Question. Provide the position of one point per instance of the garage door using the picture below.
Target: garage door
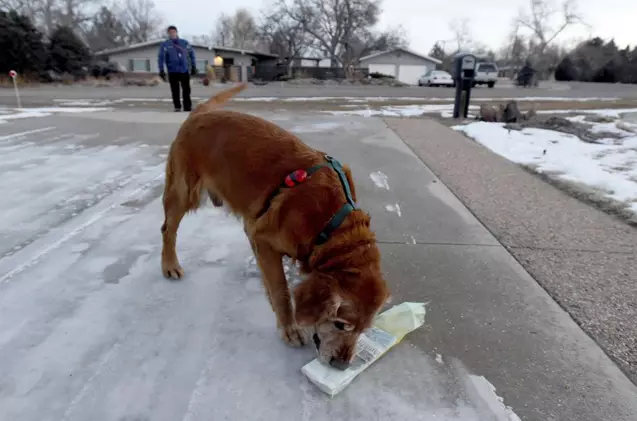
(411, 73)
(386, 69)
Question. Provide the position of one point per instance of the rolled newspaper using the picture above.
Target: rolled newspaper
(389, 328)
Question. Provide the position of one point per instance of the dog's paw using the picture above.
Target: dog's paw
(172, 270)
(294, 336)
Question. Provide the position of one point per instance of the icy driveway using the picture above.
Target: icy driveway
(89, 329)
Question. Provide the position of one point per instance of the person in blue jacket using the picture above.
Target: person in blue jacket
(179, 58)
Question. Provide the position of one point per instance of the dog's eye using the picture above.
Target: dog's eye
(339, 325)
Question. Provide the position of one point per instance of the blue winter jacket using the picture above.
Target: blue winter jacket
(178, 56)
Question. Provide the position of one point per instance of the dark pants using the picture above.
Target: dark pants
(182, 79)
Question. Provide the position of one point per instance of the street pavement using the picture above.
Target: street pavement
(89, 328)
(47, 94)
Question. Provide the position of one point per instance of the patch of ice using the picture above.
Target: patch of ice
(486, 391)
(14, 136)
(19, 113)
(94, 316)
(316, 127)
(394, 208)
(259, 99)
(608, 168)
(380, 179)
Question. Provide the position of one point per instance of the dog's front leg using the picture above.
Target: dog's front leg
(271, 265)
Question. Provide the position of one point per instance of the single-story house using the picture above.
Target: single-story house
(405, 65)
(142, 57)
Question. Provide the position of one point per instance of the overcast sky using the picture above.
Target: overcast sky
(427, 21)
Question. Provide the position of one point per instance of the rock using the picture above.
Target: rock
(599, 119)
(529, 115)
(511, 113)
(488, 113)
(631, 128)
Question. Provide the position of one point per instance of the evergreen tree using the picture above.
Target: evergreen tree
(106, 31)
(23, 49)
(437, 52)
(566, 70)
(68, 54)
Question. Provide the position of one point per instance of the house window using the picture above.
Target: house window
(139, 65)
(202, 65)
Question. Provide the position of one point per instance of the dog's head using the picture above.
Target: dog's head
(339, 311)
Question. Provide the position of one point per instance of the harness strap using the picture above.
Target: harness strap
(293, 179)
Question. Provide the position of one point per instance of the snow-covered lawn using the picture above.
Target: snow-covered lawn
(608, 168)
(415, 110)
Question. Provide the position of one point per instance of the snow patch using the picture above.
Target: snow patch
(402, 110)
(394, 208)
(380, 179)
(608, 168)
(604, 112)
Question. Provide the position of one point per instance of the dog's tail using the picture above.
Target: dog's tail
(222, 97)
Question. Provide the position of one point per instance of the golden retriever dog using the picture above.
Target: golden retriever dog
(294, 201)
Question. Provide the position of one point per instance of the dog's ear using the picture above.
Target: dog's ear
(315, 299)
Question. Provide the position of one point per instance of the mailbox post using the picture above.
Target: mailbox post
(464, 69)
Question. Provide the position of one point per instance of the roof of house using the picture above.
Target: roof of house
(407, 50)
(139, 45)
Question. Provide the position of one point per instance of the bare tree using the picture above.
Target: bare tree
(203, 39)
(237, 31)
(222, 34)
(105, 31)
(284, 36)
(48, 14)
(334, 24)
(370, 42)
(75, 13)
(461, 34)
(546, 21)
(140, 19)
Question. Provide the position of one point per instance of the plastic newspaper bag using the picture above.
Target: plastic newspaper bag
(389, 328)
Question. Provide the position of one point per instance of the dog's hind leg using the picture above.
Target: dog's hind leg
(174, 212)
(180, 196)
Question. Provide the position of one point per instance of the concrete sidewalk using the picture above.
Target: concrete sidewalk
(583, 257)
(89, 329)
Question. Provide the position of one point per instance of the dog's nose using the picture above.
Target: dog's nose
(316, 340)
(339, 364)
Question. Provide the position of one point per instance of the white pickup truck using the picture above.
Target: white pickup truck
(486, 74)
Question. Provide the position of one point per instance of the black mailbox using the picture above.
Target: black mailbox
(464, 71)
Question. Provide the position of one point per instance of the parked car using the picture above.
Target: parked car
(436, 78)
(486, 74)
